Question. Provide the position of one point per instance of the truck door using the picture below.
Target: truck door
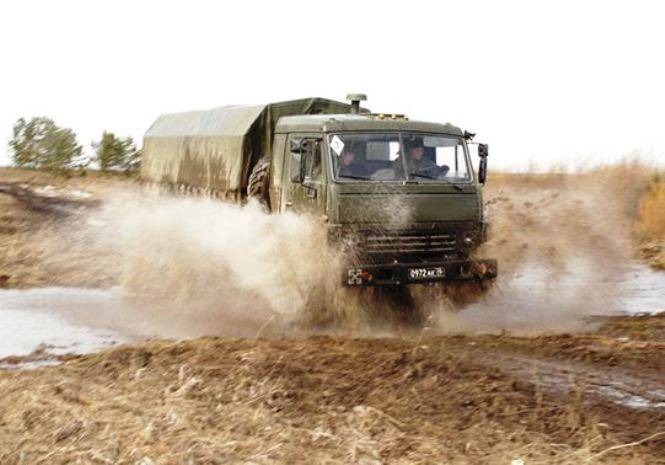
(304, 187)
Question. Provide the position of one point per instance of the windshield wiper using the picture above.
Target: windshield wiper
(420, 175)
(456, 186)
(351, 176)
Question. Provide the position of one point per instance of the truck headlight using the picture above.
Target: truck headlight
(468, 238)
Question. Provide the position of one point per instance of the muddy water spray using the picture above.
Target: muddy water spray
(207, 267)
(563, 243)
(210, 267)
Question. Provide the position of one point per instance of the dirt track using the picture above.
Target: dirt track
(38, 224)
(596, 396)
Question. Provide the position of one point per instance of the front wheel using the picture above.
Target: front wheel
(463, 293)
(336, 307)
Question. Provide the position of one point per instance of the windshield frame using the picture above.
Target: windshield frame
(408, 177)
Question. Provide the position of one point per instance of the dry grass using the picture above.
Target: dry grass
(651, 222)
(42, 240)
(319, 400)
(633, 192)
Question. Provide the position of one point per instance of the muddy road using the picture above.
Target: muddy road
(118, 344)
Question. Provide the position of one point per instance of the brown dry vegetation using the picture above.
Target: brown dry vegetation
(634, 343)
(651, 223)
(637, 189)
(39, 244)
(318, 400)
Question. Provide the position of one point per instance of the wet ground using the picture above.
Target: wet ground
(633, 289)
(643, 290)
(457, 400)
(71, 320)
(47, 325)
(600, 384)
(76, 320)
(42, 324)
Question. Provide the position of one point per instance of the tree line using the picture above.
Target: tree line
(41, 144)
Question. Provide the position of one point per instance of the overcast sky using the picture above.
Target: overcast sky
(562, 82)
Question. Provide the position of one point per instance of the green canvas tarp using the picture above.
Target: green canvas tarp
(216, 149)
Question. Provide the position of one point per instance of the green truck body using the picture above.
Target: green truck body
(401, 196)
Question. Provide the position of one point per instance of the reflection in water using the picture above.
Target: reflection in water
(46, 319)
(535, 299)
(643, 290)
(633, 290)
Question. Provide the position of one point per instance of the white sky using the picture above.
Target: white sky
(562, 82)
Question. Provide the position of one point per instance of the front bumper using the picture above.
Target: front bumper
(397, 274)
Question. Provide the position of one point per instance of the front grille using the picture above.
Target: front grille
(408, 242)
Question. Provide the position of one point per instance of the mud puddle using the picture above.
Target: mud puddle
(38, 325)
(598, 384)
(644, 290)
(56, 321)
(633, 289)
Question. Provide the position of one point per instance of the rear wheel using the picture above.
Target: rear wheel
(259, 182)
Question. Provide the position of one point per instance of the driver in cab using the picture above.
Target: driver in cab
(420, 165)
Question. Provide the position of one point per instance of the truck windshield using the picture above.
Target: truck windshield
(398, 157)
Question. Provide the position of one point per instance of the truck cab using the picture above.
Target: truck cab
(400, 196)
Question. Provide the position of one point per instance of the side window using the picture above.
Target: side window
(294, 159)
(452, 157)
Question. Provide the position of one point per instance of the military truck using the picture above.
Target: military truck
(400, 196)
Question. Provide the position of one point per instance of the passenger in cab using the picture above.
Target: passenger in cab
(350, 167)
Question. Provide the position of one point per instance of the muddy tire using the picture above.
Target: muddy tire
(259, 182)
(396, 307)
(463, 293)
(336, 307)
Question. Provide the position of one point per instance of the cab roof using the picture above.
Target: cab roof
(359, 122)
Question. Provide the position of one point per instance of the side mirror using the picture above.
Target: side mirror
(483, 151)
(303, 161)
(309, 158)
(306, 147)
(296, 145)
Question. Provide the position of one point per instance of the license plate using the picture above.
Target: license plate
(426, 273)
